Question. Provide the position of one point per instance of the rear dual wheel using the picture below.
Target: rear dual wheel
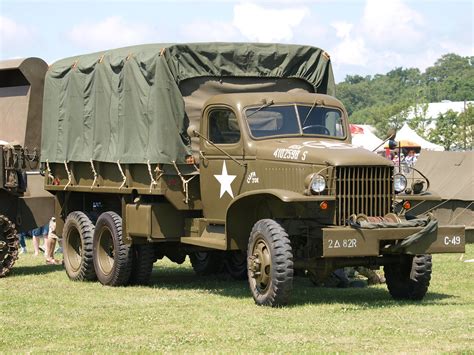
(112, 257)
(213, 262)
(77, 243)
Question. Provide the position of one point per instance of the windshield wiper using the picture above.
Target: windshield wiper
(309, 112)
(265, 105)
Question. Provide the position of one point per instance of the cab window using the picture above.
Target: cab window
(223, 127)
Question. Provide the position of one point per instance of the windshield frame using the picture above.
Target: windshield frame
(301, 134)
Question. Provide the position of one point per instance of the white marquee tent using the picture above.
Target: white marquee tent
(406, 133)
(362, 136)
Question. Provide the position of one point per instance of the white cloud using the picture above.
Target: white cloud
(392, 23)
(351, 52)
(210, 31)
(109, 33)
(343, 29)
(13, 33)
(464, 49)
(262, 24)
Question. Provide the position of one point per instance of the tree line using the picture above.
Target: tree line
(384, 100)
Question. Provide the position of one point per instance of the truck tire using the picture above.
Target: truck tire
(206, 263)
(8, 245)
(78, 233)
(270, 264)
(409, 279)
(112, 257)
(236, 264)
(143, 258)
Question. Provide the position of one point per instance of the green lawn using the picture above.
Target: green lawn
(42, 311)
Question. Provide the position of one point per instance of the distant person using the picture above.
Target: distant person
(411, 158)
(21, 239)
(37, 233)
(395, 158)
(50, 243)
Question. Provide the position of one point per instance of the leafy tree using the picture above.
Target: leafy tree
(383, 100)
(447, 130)
(420, 122)
(466, 126)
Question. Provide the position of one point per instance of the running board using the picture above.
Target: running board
(212, 237)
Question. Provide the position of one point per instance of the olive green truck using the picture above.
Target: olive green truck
(24, 205)
(234, 154)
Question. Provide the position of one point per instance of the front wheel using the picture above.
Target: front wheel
(410, 278)
(112, 257)
(270, 264)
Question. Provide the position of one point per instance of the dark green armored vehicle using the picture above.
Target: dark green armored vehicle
(24, 204)
(237, 155)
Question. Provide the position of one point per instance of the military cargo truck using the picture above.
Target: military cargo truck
(24, 204)
(237, 155)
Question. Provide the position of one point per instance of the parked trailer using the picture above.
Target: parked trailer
(235, 154)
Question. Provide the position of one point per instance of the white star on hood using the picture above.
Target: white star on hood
(225, 180)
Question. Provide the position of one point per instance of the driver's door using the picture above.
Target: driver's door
(221, 177)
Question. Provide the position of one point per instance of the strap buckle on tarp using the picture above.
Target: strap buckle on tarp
(95, 174)
(69, 176)
(185, 182)
(429, 224)
(124, 178)
(158, 171)
(48, 172)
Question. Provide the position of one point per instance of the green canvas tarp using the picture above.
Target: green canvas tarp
(134, 104)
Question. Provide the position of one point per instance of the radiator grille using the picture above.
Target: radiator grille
(367, 190)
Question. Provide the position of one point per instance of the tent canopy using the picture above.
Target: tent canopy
(451, 174)
(363, 137)
(412, 139)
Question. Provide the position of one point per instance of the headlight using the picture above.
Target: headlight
(318, 184)
(399, 183)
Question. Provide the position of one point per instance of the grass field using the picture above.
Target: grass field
(42, 311)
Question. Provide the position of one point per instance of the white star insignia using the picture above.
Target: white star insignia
(225, 180)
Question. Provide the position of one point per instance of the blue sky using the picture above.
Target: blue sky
(362, 36)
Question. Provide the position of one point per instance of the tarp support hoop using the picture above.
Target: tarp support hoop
(123, 175)
(95, 174)
(69, 176)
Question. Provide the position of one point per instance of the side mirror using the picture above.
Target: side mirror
(392, 144)
(192, 131)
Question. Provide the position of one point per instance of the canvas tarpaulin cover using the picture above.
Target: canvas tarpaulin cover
(128, 104)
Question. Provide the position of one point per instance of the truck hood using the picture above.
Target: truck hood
(321, 152)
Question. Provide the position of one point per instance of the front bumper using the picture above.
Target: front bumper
(350, 242)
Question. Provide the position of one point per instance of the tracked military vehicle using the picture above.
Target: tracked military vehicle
(237, 155)
(24, 204)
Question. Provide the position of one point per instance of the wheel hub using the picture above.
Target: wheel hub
(259, 264)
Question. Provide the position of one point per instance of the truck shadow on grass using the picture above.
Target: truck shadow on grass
(34, 270)
(304, 292)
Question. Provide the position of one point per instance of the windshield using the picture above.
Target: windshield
(295, 120)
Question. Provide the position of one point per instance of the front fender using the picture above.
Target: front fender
(245, 210)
